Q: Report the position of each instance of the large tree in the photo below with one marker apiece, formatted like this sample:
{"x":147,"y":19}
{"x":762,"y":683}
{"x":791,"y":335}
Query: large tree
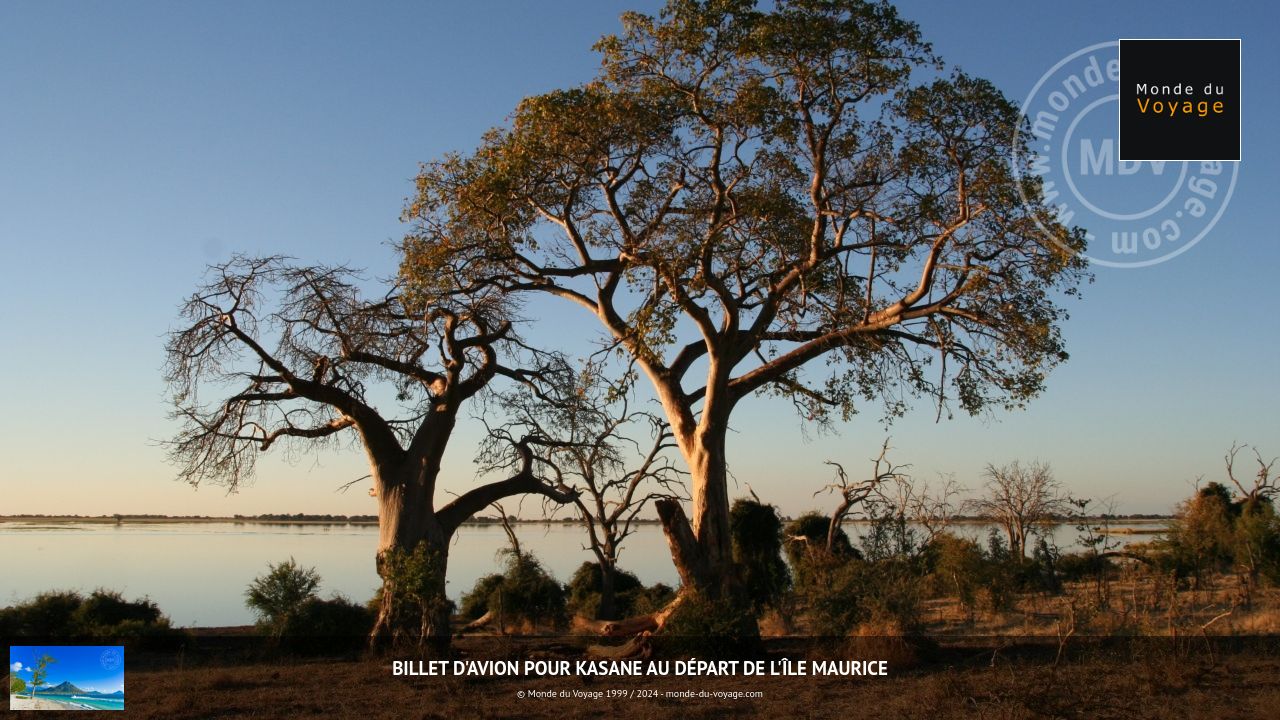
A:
{"x":741,"y":193}
{"x":277,"y":354}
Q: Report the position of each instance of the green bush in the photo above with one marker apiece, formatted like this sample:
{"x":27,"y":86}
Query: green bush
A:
{"x":333,"y":625}
{"x":956,"y":568}
{"x":476,"y":602}
{"x":707,"y":628}
{"x":17,"y":685}
{"x":278,"y":594}
{"x":104,"y":614}
{"x":756,"y":532}
{"x":524,"y":592}
{"x":630,"y":595}
{"x":105,"y":608}
{"x":808,"y":534}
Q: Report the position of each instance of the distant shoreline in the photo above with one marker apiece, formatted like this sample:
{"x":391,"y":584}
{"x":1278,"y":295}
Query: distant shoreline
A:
{"x":302,"y":519}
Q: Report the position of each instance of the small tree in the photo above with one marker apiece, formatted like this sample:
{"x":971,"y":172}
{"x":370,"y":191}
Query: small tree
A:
{"x":589,"y":436}
{"x":16,"y":685}
{"x":40,"y":673}
{"x":277,"y":595}
{"x":1019,"y":498}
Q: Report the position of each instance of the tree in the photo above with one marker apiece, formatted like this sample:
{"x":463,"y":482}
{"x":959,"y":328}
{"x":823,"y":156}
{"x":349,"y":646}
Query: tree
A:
{"x":40,"y":673}
{"x":741,"y":193}
{"x":16,"y":685}
{"x":860,"y":492}
{"x":584,"y":430}
{"x":277,"y":595}
{"x":296,"y":355}
{"x":1018,"y":498}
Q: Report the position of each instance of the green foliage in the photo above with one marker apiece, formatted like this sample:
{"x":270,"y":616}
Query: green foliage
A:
{"x":524,"y":592}
{"x":106,"y":609}
{"x":631,"y":597}
{"x":709,"y":628}
{"x":104,"y":614}
{"x":1215,"y":532}
{"x":476,"y":602}
{"x":807,"y":536}
{"x":327,"y":626}
{"x":278,"y":594}
{"x":957,"y":567}
{"x":756,"y":530}
{"x":16,"y":685}
{"x":40,"y":672}
{"x":414,"y":582}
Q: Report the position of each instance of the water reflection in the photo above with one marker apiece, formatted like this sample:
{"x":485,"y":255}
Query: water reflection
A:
{"x":197,"y":572}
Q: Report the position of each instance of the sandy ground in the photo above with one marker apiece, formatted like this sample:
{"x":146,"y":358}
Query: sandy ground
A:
{"x":39,"y":703}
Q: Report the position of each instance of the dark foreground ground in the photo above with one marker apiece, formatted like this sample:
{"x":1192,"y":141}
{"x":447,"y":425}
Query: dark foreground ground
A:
{"x":1192,"y":677}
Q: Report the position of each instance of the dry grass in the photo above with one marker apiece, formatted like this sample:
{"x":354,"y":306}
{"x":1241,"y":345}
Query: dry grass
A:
{"x":1162,"y":681}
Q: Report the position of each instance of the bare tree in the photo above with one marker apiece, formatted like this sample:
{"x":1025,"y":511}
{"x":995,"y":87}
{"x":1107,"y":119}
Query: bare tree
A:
{"x":744,"y":196}
{"x":281,"y":354}
{"x":590,"y":437}
{"x":856,"y":493}
{"x":1018,"y":498}
{"x":1265,"y":484}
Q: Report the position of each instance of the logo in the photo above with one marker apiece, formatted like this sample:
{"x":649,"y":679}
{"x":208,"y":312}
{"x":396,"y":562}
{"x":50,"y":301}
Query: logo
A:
{"x":1135,"y":213}
{"x":110,"y":658}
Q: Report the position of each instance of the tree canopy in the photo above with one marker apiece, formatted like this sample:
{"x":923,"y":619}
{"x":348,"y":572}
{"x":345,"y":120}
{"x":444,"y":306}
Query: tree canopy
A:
{"x":742,"y":192}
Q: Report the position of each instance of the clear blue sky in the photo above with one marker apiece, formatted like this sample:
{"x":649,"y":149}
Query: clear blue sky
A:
{"x":84,"y":666}
{"x":140,"y":140}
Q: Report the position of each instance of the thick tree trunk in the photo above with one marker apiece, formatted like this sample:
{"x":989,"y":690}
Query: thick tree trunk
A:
{"x":703,"y":548}
{"x":413,"y":555}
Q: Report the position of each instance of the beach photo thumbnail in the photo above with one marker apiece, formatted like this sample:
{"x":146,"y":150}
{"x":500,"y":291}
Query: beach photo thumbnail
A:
{"x":66,"y":677}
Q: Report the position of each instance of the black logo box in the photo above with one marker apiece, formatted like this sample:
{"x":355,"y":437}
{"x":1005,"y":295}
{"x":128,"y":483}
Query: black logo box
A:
{"x":1155,"y":74}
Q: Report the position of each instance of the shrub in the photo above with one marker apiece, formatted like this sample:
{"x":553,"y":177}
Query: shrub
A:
{"x":709,"y":628}
{"x":332,"y":625}
{"x":476,"y":603}
{"x":957,"y":567}
{"x":756,"y":532}
{"x":524,"y":592}
{"x":278,"y":594}
{"x":17,"y":685}
{"x":106,"y":608}
{"x":104,"y":614}
{"x":586,"y":585}
{"x":808,"y":534}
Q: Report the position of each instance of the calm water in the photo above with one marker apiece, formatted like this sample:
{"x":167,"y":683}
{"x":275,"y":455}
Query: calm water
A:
{"x":197,"y":572}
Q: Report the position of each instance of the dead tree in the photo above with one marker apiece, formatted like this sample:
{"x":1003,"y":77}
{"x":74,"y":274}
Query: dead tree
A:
{"x":1265,"y":485}
{"x":275,"y":354}
{"x":1018,"y":498}
{"x":853,"y":494}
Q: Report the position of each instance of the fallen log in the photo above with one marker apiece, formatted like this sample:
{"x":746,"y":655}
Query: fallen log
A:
{"x":638,"y":647}
{"x":479,"y":622}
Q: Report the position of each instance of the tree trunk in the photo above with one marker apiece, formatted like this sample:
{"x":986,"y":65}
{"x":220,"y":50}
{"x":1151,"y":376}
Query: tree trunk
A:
{"x":413,"y":556}
{"x":703,"y":549}
{"x":608,"y":602}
